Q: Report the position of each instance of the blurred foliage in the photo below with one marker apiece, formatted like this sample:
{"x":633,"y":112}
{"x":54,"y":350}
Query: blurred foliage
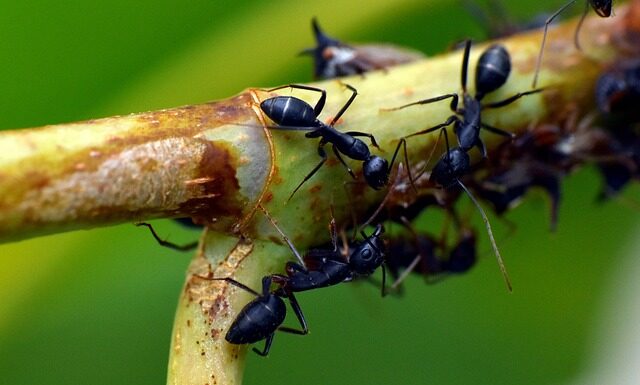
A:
{"x":97,"y":306}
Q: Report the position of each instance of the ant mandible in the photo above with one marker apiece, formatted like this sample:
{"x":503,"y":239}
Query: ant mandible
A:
{"x":291,"y":113}
{"x":601,"y":7}
{"x":492,"y":72}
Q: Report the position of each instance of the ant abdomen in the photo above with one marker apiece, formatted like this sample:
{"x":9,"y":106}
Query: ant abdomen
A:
{"x":492,"y":70}
{"x":289,"y":111}
{"x":270,"y":310}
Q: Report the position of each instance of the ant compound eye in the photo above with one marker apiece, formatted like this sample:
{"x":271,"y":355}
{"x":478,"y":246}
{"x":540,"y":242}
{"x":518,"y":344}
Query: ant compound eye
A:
{"x":376,"y":172}
{"x":366,"y":254}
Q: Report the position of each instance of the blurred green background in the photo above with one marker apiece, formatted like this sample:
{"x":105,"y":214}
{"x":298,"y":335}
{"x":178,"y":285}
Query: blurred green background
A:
{"x":97,"y":306}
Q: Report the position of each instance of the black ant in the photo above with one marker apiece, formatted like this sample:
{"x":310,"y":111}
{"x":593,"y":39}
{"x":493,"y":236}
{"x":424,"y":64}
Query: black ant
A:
{"x":601,"y":7}
{"x":492,"y":72}
{"x":261,"y":318}
{"x":333,"y":58}
{"x":289,"y":112}
{"x":328,"y":267}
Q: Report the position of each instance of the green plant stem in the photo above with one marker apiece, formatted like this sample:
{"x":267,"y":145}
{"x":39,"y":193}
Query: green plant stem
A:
{"x":216,"y":162}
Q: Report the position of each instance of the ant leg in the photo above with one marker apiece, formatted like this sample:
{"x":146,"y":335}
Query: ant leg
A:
{"x":284,"y":237}
{"x":384,"y":281}
{"x":498,"y":131}
{"x":317,"y":109}
{"x":235,"y":283}
{"x":267,"y":346}
{"x":503,"y":269}
{"x":544,"y":40}
{"x":346,"y":105}
{"x":370,"y":136}
{"x":452,"y":119}
{"x":167,"y":244}
{"x":337,"y":153}
{"x":403,"y":143}
{"x":426,"y":101}
{"x":322,"y":154}
{"x":511,"y":99}
{"x":406,"y":272}
{"x":333,"y":230}
{"x":482,"y":147}
{"x":576,"y":35}
{"x":382,"y":204}
{"x":298,"y":312}
{"x":465,"y":66}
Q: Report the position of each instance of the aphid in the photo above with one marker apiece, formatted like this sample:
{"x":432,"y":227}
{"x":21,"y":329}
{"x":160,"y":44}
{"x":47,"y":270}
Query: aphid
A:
{"x":261,"y":318}
{"x":619,"y":170}
{"x":505,"y":188}
{"x":601,"y":7}
{"x":164,"y":243}
{"x":332,"y":58}
{"x":618,"y":90}
{"x":188,"y":222}
{"x":420,"y":256}
{"x":291,"y":113}
{"x":492,"y":72}
{"x":328,"y":267}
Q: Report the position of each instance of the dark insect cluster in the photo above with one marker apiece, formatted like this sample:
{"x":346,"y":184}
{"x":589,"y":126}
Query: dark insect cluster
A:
{"x":539,"y":158}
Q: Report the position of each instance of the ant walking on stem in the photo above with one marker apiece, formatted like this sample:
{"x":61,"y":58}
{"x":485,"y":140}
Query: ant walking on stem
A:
{"x":492,"y":71}
{"x":262,"y":317}
{"x":291,"y":113}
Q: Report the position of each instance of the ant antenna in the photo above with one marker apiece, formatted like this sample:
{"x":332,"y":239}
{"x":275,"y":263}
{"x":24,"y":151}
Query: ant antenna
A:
{"x":503,"y":269}
{"x":544,"y":40}
{"x":284,"y":237}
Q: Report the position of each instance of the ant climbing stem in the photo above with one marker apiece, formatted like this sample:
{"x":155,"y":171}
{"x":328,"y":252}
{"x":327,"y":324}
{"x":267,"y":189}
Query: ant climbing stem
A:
{"x":291,"y":113}
{"x":164,"y":243}
{"x":284,"y":237}
{"x":263,"y":316}
{"x":492,"y":72}
{"x":602,"y":9}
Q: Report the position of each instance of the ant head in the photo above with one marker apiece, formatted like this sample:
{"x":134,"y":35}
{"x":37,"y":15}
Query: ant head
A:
{"x":602,"y":7}
{"x":452,"y":165}
{"x":368,"y":255}
{"x":376,"y":172}
{"x":492,"y":70}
